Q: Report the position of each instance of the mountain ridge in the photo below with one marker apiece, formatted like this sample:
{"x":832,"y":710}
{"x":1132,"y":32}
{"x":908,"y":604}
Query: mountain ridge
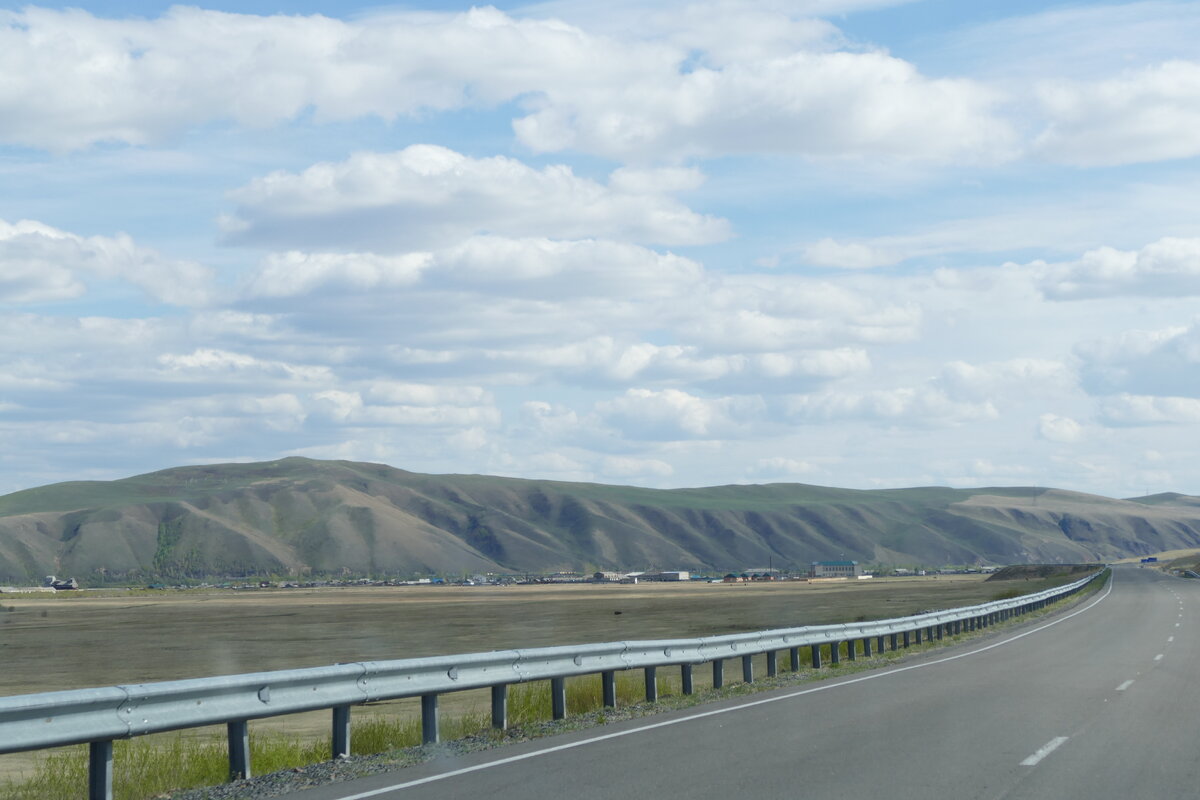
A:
{"x":297,"y":515}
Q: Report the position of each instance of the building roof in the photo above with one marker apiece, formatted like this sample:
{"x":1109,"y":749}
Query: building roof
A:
{"x":834,"y":563}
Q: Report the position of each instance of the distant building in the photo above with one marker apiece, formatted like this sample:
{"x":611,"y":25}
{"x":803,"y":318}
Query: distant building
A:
{"x":834,"y":569}
{"x":762,"y":574}
{"x":670,"y":575}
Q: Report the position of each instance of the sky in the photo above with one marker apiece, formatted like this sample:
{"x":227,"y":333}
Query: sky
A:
{"x":858,"y":243}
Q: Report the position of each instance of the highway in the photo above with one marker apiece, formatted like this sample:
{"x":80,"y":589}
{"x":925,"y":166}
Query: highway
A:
{"x":1095,"y":702}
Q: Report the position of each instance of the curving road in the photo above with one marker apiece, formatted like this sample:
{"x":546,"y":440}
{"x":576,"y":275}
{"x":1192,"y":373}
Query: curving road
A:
{"x":1097,"y":702}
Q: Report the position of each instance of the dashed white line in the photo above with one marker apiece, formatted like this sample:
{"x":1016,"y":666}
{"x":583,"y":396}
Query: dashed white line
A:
{"x":1125,"y":685}
{"x":1170,"y":639}
{"x":1176,"y":624}
{"x":1043,"y":751}
{"x":1158,"y":657}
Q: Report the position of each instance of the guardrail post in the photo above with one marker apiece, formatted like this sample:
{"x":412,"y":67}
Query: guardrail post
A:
{"x":795,"y":654}
{"x":651,"y":684}
{"x":895,"y":639}
{"x":867,"y":646}
{"x":852,"y":649}
{"x":835,"y":652}
{"x":341,"y":732}
{"x":718,"y":673}
{"x":500,"y":706}
{"x":748,"y":669}
{"x":100,"y":770}
{"x":772,"y":663}
{"x":907,"y":639}
{"x":879,"y":644}
{"x":939,"y":631}
{"x":685,"y":678}
{"x":558,"y":697}
{"x":608,"y":682}
{"x":816,"y":656}
{"x":239,"y":749}
{"x":429,"y":719}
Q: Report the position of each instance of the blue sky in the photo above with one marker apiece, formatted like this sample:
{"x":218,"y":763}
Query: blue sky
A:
{"x":847,"y":242}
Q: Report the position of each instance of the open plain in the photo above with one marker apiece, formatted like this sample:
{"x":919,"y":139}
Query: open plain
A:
{"x":67,"y":641}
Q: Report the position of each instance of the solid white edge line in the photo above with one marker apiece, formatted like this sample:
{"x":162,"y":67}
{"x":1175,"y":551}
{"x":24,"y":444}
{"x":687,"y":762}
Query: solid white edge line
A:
{"x":1125,"y":685}
{"x":1043,"y":751}
{"x":666,"y":723}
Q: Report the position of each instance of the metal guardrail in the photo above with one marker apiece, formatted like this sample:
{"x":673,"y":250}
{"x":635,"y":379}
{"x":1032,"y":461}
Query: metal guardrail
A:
{"x":99,"y":716}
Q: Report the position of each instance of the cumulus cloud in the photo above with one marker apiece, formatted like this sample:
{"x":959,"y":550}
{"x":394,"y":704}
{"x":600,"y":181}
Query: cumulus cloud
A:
{"x":139,"y":81}
{"x":1169,"y":267}
{"x":816,"y":104}
{"x":428,"y":196}
{"x":765,"y":84}
{"x":675,"y":414}
{"x":916,"y":406}
{"x":40,"y":263}
{"x":1132,"y":410}
{"x":1063,"y":430}
{"x":1146,"y":115}
{"x":976,"y":382}
{"x":208,"y":364}
{"x":1138,"y":362}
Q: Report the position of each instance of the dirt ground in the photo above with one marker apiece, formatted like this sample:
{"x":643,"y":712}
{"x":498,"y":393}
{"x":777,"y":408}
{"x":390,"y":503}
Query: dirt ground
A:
{"x":54,"y":642}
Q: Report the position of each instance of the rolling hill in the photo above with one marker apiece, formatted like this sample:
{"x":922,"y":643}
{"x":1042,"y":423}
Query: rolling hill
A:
{"x":298,"y":515}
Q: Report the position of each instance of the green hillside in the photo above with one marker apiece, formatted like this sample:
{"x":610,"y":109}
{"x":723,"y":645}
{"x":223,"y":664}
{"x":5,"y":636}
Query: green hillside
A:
{"x":298,"y":515}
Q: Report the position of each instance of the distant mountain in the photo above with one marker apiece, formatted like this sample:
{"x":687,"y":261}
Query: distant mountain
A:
{"x":336,"y":517}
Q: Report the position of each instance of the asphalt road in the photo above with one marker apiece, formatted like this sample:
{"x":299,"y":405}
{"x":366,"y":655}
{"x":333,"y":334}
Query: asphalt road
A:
{"x":1097,"y":702}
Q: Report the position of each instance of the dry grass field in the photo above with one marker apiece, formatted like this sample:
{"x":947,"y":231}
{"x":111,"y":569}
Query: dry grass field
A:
{"x":99,"y":639}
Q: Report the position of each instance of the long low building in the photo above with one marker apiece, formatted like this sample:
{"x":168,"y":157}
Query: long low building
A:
{"x":834,"y":569}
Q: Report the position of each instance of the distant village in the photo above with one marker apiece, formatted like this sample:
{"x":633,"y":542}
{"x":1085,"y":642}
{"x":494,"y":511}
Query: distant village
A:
{"x":817,"y":571}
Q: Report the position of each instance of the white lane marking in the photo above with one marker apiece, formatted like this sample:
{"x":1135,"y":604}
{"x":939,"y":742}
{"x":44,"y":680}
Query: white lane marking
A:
{"x":1043,"y":751}
{"x":1170,"y":639}
{"x":1158,"y":657}
{"x":790,"y":695}
{"x":1125,"y":685}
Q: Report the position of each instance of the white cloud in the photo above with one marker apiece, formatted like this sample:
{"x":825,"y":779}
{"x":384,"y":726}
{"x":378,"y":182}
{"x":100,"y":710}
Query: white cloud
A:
{"x":674,"y":414}
{"x":1138,"y":362}
{"x":1063,"y":430}
{"x":429,"y":196}
{"x":1128,"y":409}
{"x":82,"y":79}
{"x":1169,"y":267}
{"x":207,"y":364}
{"x":766,"y":82}
{"x":919,"y":406}
{"x":295,"y":273}
{"x":626,"y":467}
{"x":40,"y":263}
{"x":780,"y":467}
{"x":975,"y":382}
{"x":849,"y":255}
{"x":820,"y":104}
{"x":1147,"y":115}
